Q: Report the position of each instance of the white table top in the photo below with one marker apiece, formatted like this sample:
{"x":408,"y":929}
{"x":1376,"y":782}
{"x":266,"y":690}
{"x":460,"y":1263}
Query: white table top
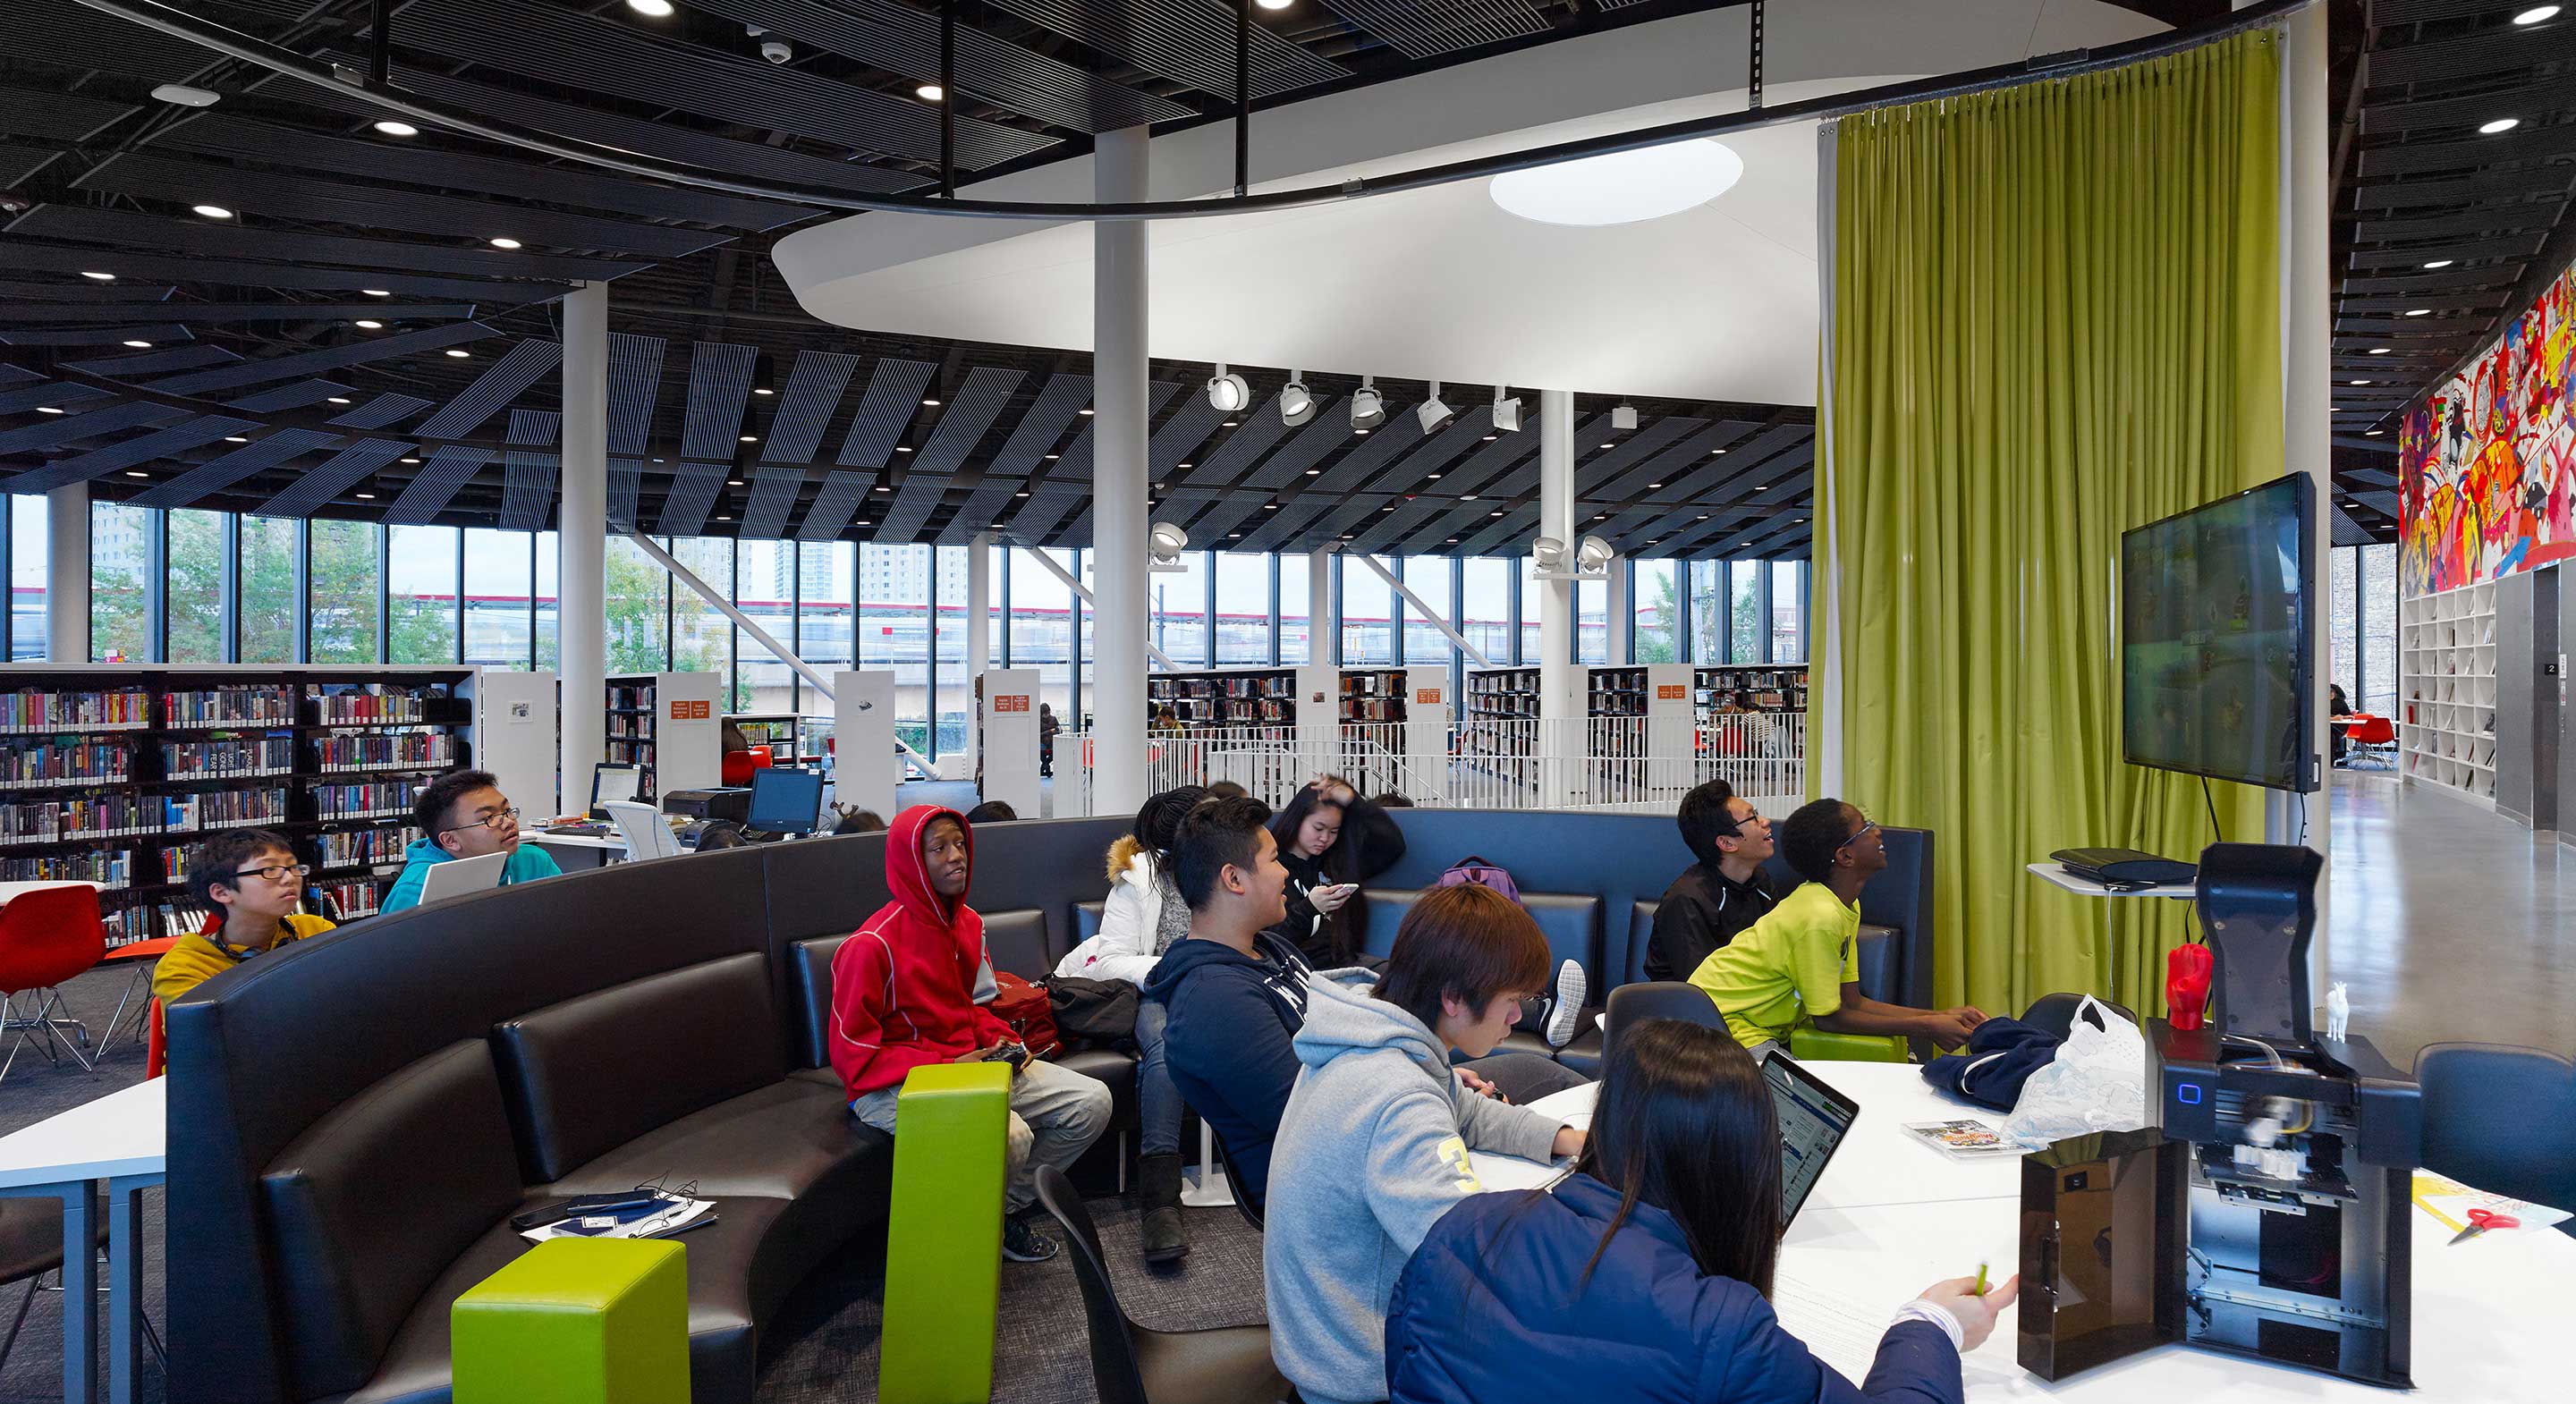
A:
{"x":11,"y":891}
{"x":609,"y":841}
{"x":125,"y":1132}
{"x":2084,"y":887}
{"x":1879,"y":1162}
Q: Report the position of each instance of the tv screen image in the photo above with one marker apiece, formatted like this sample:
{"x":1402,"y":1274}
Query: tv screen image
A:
{"x":2215,"y":658}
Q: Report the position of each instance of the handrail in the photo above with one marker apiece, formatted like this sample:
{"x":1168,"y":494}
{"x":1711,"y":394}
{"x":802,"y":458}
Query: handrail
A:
{"x":232,"y":43}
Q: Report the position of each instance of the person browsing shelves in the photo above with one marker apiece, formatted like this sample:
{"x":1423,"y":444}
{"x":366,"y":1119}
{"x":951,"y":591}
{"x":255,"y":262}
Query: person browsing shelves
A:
{"x":254,"y":882}
{"x":1800,"y":963}
{"x":1715,"y":898}
{"x":1660,"y":1248}
{"x":463,"y":814}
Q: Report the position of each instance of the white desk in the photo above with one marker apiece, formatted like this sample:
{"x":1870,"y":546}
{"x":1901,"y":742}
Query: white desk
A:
{"x":12,"y":891}
{"x":575,"y":852}
{"x":123,"y":1140}
{"x":2085,"y":887}
{"x":1879,"y":1163}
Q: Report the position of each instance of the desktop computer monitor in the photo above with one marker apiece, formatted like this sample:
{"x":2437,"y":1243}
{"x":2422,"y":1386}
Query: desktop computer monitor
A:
{"x":609,"y":781}
{"x":785,"y":801}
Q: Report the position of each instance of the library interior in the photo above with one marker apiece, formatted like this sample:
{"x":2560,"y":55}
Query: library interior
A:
{"x":1241,"y":701}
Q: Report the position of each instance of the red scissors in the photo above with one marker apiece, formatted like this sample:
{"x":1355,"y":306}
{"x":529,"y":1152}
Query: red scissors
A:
{"x":2480,"y":1220}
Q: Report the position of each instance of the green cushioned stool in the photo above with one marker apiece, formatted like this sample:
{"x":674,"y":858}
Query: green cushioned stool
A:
{"x":577,"y":1321}
{"x":1810,"y":1044}
{"x":944,"y":1234}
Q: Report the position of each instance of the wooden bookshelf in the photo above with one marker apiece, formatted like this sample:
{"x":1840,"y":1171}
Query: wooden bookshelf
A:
{"x":1764,"y":688}
{"x":1224,"y":698}
{"x":2446,"y":709}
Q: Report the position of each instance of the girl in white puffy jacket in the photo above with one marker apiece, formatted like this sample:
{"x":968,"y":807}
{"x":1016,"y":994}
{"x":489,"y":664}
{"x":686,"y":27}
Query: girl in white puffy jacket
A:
{"x":1141,"y":918}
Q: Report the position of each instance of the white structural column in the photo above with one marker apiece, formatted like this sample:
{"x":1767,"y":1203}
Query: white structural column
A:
{"x":1560,"y":683}
{"x":67,"y":574}
{"x":979,"y":625}
{"x":581,"y":550}
{"x":1120,"y":161}
{"x":1323,"y":635}
{"x":2307,"y":393}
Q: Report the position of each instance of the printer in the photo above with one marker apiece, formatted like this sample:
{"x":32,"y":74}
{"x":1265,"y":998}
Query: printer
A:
{"x":731,"y":802}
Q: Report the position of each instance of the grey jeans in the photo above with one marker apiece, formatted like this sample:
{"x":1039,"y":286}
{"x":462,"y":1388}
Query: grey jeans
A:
{"x":1055,"y":1116}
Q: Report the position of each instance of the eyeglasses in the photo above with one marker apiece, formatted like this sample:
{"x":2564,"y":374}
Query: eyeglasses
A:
{"x":1864,"y":831}
{"x":488,"y":821}
{"x":1735,"y":827}
{"x":274,"y":872}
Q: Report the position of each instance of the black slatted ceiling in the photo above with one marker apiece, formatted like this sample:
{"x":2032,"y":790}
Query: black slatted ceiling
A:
{"x":694,"y":488}
{"x":1330,"y":429}
{"x":290,"y":397}
{"x":1181,"y":436}
{"x":450,"y":467}
{"x":833,"y":506}
{"x":805,"y":407}
{"x":967,"y":418}
{"x":82,"y":292}
{"x":634,"y":383}
{"x":131,"y":262}
{"x":1399,"y":434}
{"x":625,"y":491}
{"x":1671,"y":465}
{"x":719,"y":391}
{"x":330,"y":358}
{"x":224,"y":470}
{"x":194,"y":433}
{"x":316,"y":488}
{"x":774,"y":490}
{"x":76,"y":37}
{"x":56,"y":430}
{"x":1261,"y":431}
{"x":1186,"y":41}
{"x":224,"y":239}
{"x":157,"y":333}
{"x":528,"y":476}
{"x":1434,"y":456}
{"x":384,"y":411}
{"x":177,"y":358}
{"x":52,"y":393}
{"x":1428,"y":31}
{"x":501,"y":382}
{"x":56,"y":116}
{"x":894,"y":392}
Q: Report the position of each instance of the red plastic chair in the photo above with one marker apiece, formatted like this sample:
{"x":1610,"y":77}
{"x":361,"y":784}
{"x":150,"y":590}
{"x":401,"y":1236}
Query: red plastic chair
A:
{"x":46,"y":937}
{"x":2373,"y":736}
{"x":738,"y":765}
{"x":156,"y":1041}
{"x":139,"y":957}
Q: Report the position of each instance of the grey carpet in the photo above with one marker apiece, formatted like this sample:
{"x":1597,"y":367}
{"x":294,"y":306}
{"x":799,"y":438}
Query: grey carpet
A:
{"x":823,"y":1346}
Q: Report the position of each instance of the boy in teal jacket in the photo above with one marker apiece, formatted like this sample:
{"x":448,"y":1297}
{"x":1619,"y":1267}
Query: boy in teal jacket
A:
{"x":465,"y":815}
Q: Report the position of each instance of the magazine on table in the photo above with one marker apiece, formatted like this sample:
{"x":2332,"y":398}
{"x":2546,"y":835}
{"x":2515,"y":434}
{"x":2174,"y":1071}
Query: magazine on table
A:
{"x":665,"y":1215}
{"x":1964,"y":1138}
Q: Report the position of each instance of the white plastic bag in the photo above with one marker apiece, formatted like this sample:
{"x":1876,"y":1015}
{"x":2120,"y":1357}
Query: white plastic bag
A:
{"x":2097,"y":1082}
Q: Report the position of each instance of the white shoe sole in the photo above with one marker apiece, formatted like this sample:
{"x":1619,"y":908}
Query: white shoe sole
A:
{"x":1563,"y":1020}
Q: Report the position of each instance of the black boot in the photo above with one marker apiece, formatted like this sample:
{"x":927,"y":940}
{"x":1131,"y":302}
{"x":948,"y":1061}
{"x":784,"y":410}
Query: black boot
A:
{"x":1159,"y":1178}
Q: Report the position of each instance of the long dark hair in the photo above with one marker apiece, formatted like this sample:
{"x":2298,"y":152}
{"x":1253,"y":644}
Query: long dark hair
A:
{"x":1158,"y":823}
{"x":1684,"y":1124}
{"x":1337,"y":864}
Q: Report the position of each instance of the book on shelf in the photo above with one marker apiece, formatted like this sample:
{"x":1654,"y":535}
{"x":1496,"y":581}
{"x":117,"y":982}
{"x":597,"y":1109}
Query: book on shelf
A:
{"x":112,"y":868}
{"x":380,"y":750}
{"x":64,"y":762}
{"x":78,"y":817}
{"x":247,"y":705}
{"x":200,"y":811}
{"x":222,"y":756}
{"x":58,"y":709}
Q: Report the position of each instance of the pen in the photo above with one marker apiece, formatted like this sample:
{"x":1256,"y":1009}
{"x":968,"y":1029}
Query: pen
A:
{"x":1981,"y":1279}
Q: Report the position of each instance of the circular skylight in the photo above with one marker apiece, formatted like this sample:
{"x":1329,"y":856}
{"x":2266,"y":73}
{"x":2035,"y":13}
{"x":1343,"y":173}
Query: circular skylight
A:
{"x":1622,"y":188}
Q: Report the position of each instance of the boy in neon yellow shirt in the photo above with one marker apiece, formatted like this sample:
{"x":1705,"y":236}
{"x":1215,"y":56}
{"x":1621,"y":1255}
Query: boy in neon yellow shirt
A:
{"x":1801,"y":962}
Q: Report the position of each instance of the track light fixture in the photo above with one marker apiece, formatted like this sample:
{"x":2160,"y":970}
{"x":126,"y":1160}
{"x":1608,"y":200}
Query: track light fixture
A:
{"x":1590,"y":559}
{"x":1432,"y":413}
{"x":1623,"y":416}
{"x":1296,"y":402}
{"x":1228,"y":391}
{"x":1368,"y":407}
{"x":1164,"y":544}
{"x":182,"y":95}
{"x":1507,"y":411}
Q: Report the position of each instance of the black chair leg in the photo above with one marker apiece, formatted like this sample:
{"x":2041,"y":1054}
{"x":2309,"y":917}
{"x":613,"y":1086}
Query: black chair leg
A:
{"x":10,"y":1341}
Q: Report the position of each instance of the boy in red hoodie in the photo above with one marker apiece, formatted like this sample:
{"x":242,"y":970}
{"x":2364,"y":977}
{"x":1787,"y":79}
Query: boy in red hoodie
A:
{"x":909,"y":987}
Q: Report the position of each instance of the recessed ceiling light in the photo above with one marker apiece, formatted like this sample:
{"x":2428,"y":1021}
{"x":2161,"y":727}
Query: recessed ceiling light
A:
{"x":1312,"y":472}
{"x":339,"y":399}
{"x":657,"y":460}
{"x":1053,"y":457}
{"x":235,"y":439}
{"x":2370,"y":433}
{"x":213,"y":211}
{"x":1434,"y":477}
{"x":1623,"y":187}
{"x":47,"y":409}
{"x":1489,"y":438}
{"x":139,"y":344}
{"x":458,"y":353}
{"x":136,"y":473}
{"x":1234,"y":536}
{"x":2379,"y":350}
{"x":393,"y":128}
{"x":371,"y":324}
{"x":929,"y":92}
{"x":2536,"y":14}
{"x":1468,"y":498}
{"x":1654,"y":485}
{"x":415,"y":460}
{"x":762,"y":390}
{"x":1497,"y":514}
{"x":751,"y":438}
{"x":1269,"y":506}
{"x":1703,"y":516}
{"x":1082,"y":411}
{"x":933,"y":403}
{"x":2439,"y":263}
{"x":375,"y":292}
{"x":656,"y":9}
{"x":1284,"y":4}
{"x":185,"y":96}
{"x":100,"y":277}
{"x":1180,"y":465}
{"x":1229,"y":424}
{"x":1363,"y":433}
{"x":1453,"y":541}
{"x":2421,"y":312}
{"x":733,"y":482}
{"x":885,"y":489}
{"x":1019,"y":494}
{"x":505,"y":243}
{"x":724,"y":519}
{"x":903,"y":448}
{"x":2361,"y":382}
{"x":368,"y":496}
{"x":2501,"y":124}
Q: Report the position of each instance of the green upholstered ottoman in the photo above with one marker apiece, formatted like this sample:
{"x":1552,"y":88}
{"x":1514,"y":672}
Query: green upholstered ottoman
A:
{"x":944,"y":1234}
{"x":1809,"y":1044}
{"x":577,"y":1321}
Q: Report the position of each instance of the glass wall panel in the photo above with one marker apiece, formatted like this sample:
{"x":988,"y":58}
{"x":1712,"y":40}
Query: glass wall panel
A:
{"x":701,"y":637}
{"x":2379,"y":630}
{"x":1657,"y":598}
{"x":1530,"y":587}
{"x":268,"y":589}
{"x":195,"y":593}
{"x":549,"y":601}
{"x":1242,"y":608}
{"x":27,"y":537}
{"x":1042,"y":629}
{"x":120,"y":567}
{"x":1428,"y":577}
{"x":1487,"y":607}
{"x":894,"y":631}
{"x":764,"y":587}
{"x":1708,"y":611}
{"x":639,"y":610}
{"x":1179,"y":602}
{"x":1788,"y":618}
{"x":1745,"y":611}
{"x":497,"y":594}
{"x":420,"y":580}
{"x":345,"y":574}
{"x":1592,"y":621}
{"x":827,"y":590}
{"x":2343,"y":621}
{"x":1368,"y":617}
{"x":1293,"y":603}
{"x":1085,"y":697}
{"x":956,"y":690}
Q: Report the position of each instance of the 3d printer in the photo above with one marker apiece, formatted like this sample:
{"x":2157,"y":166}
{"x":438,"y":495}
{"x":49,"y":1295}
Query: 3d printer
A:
{"x":2266,"y":1215}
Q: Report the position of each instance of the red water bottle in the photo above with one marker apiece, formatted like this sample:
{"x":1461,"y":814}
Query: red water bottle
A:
{"x":2187,"y":976}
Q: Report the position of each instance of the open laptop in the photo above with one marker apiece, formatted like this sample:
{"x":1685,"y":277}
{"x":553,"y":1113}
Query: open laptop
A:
{"x":458,"y":876}
{"x":785,"y":803}
{"x":1813,"y":1119}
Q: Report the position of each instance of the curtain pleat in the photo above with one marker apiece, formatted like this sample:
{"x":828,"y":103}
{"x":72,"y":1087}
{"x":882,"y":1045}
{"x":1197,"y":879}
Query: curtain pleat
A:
{"x":2056,"y":316}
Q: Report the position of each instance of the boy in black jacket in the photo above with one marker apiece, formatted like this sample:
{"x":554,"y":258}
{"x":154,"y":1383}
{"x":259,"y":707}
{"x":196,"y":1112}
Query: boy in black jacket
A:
{"x":1716,"y":898}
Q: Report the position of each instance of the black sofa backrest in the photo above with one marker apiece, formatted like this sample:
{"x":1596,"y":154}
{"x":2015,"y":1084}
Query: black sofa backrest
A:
{"x":586,"y":1076}
{"x":374,"y":1200}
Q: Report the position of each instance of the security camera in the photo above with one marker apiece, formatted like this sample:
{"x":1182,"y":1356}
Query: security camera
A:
{"x":776,"y":50}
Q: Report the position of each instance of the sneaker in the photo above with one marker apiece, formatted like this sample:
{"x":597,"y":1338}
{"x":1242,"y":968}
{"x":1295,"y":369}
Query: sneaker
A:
{"x":1567,"y":1015}
{"x":1022,"y":1244}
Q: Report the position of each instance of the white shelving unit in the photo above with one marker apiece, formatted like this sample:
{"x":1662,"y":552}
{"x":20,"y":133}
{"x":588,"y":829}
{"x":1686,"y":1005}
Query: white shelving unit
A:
{"x":2446,"y":702}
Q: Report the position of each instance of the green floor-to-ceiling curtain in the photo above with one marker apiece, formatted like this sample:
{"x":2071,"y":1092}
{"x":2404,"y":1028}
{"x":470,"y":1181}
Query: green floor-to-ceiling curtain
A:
{"x":2055,"y":315}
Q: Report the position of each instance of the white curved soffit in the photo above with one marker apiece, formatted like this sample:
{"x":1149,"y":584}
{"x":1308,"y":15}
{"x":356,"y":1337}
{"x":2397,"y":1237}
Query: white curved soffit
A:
{"x":1717,"y":301}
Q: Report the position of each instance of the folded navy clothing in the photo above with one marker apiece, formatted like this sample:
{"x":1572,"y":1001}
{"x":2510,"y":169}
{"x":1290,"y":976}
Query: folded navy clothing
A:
{"x":2001,"y":1055}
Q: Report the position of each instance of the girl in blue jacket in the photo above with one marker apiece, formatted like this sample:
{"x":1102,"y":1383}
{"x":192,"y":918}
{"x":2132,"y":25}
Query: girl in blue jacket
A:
{"x":1645,"y":1276}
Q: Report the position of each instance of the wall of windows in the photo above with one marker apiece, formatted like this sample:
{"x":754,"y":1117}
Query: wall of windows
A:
{"x":1657,"y":602}
{"x":2361,"y":626}
{"x":24,"y":540}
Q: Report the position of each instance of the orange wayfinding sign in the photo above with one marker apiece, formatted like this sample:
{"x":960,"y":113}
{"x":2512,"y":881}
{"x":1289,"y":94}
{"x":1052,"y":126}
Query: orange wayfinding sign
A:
{"x":1426,"y":697}
{"x":691,"y":711}
{"x":1668,"y":692}
{"x":1010,"y":702}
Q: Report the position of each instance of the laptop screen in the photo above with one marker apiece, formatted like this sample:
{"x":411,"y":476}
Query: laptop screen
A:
{"x":785,"y":801}
{"x":613,"y":782}
{"x":1813,"y":1120}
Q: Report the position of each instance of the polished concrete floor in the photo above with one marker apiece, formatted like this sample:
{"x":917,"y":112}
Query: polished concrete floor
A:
{"x":2448,"y":923}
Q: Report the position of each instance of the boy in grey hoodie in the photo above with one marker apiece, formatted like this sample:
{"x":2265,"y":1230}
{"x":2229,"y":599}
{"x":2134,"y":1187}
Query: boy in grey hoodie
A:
{"x":1376,"y":1141}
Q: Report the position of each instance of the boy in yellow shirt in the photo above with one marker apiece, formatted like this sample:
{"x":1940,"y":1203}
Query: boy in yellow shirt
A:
{"x":253,"y":880}
{"x":1801,"y":962}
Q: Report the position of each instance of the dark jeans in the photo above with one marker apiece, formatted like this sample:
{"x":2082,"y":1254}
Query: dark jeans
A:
{"x":1525,"y":1077}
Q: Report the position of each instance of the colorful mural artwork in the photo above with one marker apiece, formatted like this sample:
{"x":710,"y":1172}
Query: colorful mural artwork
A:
{"x":2487,"y":464}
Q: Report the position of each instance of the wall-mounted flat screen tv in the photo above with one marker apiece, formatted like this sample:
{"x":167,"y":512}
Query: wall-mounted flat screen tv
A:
{"x":2215,"y":659}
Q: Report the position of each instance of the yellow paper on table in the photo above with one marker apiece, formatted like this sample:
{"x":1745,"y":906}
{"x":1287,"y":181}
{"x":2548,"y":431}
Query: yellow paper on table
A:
{"x":2449,"y":1202}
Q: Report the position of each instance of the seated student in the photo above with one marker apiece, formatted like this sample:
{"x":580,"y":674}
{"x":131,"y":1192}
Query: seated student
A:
{"x":909,"y":988}
{"x":1663,"y":1243}
{"x":1142,"y":918}
{"x":992,"y":812}
{"x":463,"y":814}
{"x":1330,"y":840}
{"x":1226,"y":789}
{"x":1800,"y":963}
{"x":1380,"y":1132}
{"x":1717,"y":897}
{"x":858,"y":821}
{"x":252,"y":879}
